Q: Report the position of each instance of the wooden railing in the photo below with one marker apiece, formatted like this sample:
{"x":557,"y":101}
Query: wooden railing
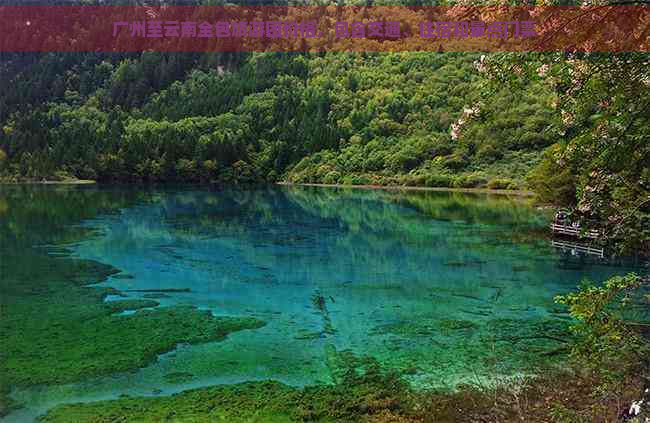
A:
{"x":571,"y":231}
{"x":600,"y":252}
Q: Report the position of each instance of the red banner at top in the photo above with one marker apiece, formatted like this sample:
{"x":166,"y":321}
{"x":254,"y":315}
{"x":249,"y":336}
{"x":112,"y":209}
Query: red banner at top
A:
{"x":333,"y":28}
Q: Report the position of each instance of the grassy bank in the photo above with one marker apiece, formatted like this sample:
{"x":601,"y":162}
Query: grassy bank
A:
{"x":372,"y":397}
{"x":57,"y":178}
{"x":7,"y":181}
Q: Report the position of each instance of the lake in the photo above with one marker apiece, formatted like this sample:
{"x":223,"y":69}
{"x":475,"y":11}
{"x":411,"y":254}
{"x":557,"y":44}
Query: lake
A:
{"x":443,"y":288}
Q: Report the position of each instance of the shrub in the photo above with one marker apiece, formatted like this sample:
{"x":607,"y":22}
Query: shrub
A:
{"x":605,"y":342}
{"x":360,"y":180}
{"x":444,"y":147}
{"x":61,"y":175}
{"x":403,"y":160}
{"x":243,"y":172}
{"x":470,"y":181}
{"x":386,"y":180}
{"x":321,"y":171}
{"x":552,"y":179}
{"x":502,"y":183}
{"x":414,"y":180}
{"x":374,"y":161}
{"x":186,"y":169}
{"x":456,"y":162}
{"x":332,"y":177}
{"x":439,"y":181}
{"x":347,"y":180}
{"x":87,"y":172}
{"x":356,"y":180}
{"x":489,"y":153}
{"x":304,"y":164}
{"x":226,"y":175}
{"x":208,"y":169}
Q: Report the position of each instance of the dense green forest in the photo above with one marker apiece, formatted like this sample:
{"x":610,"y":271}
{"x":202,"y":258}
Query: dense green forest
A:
{"x":574,"y":128}
{"x":306,"y":117}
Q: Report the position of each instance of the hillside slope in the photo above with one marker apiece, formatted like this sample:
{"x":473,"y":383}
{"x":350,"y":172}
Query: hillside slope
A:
{"x":414,"y":118}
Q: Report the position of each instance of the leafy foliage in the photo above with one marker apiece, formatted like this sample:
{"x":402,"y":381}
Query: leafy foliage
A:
{"x":605,"y":342}
{"x":600,"y":163}
{"x":159,"y":117}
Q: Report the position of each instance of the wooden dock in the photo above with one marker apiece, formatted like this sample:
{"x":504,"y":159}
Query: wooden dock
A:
{"x":576,"y":232}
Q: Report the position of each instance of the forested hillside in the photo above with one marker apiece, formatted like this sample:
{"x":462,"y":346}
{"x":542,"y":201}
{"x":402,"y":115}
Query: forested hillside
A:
{"x":408,"y":118}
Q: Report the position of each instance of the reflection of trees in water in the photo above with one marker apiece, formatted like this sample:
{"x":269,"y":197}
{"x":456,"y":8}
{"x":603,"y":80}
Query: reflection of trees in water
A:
{"x":373,"y":213}
{"x":368,"y":239}
{"x":34,"y":214}
{"x":445,"y":206}
{"x":575,"y":256}
{"x":357,"y":234}
{"x":247,"y":214}
{"x":407,"y":217}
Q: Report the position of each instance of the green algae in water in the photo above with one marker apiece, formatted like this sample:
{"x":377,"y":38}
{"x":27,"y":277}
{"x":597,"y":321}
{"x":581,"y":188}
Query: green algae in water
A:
{"x":436,"y":286}
{"x":63,"y":335}
{"x":55,"y":329}
{"x":362,"y":388}
{"x":131,"y":305}
{"x":178,"y":377}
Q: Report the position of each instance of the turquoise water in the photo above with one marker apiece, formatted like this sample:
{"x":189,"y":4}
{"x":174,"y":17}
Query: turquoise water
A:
{"x":445,"y":288}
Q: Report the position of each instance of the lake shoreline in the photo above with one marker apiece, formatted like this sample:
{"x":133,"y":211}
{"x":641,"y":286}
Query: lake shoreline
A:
{"x":521,"y":193}
{"x":46,"y":182}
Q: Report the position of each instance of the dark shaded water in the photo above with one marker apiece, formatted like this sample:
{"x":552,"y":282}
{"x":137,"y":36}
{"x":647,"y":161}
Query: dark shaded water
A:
{"x":441,"y":287}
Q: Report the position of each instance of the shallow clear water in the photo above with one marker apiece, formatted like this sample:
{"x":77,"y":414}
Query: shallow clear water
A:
{"x":442,"y":287}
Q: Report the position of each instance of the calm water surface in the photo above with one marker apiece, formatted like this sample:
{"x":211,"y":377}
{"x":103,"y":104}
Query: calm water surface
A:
{"x":441,"y":287}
